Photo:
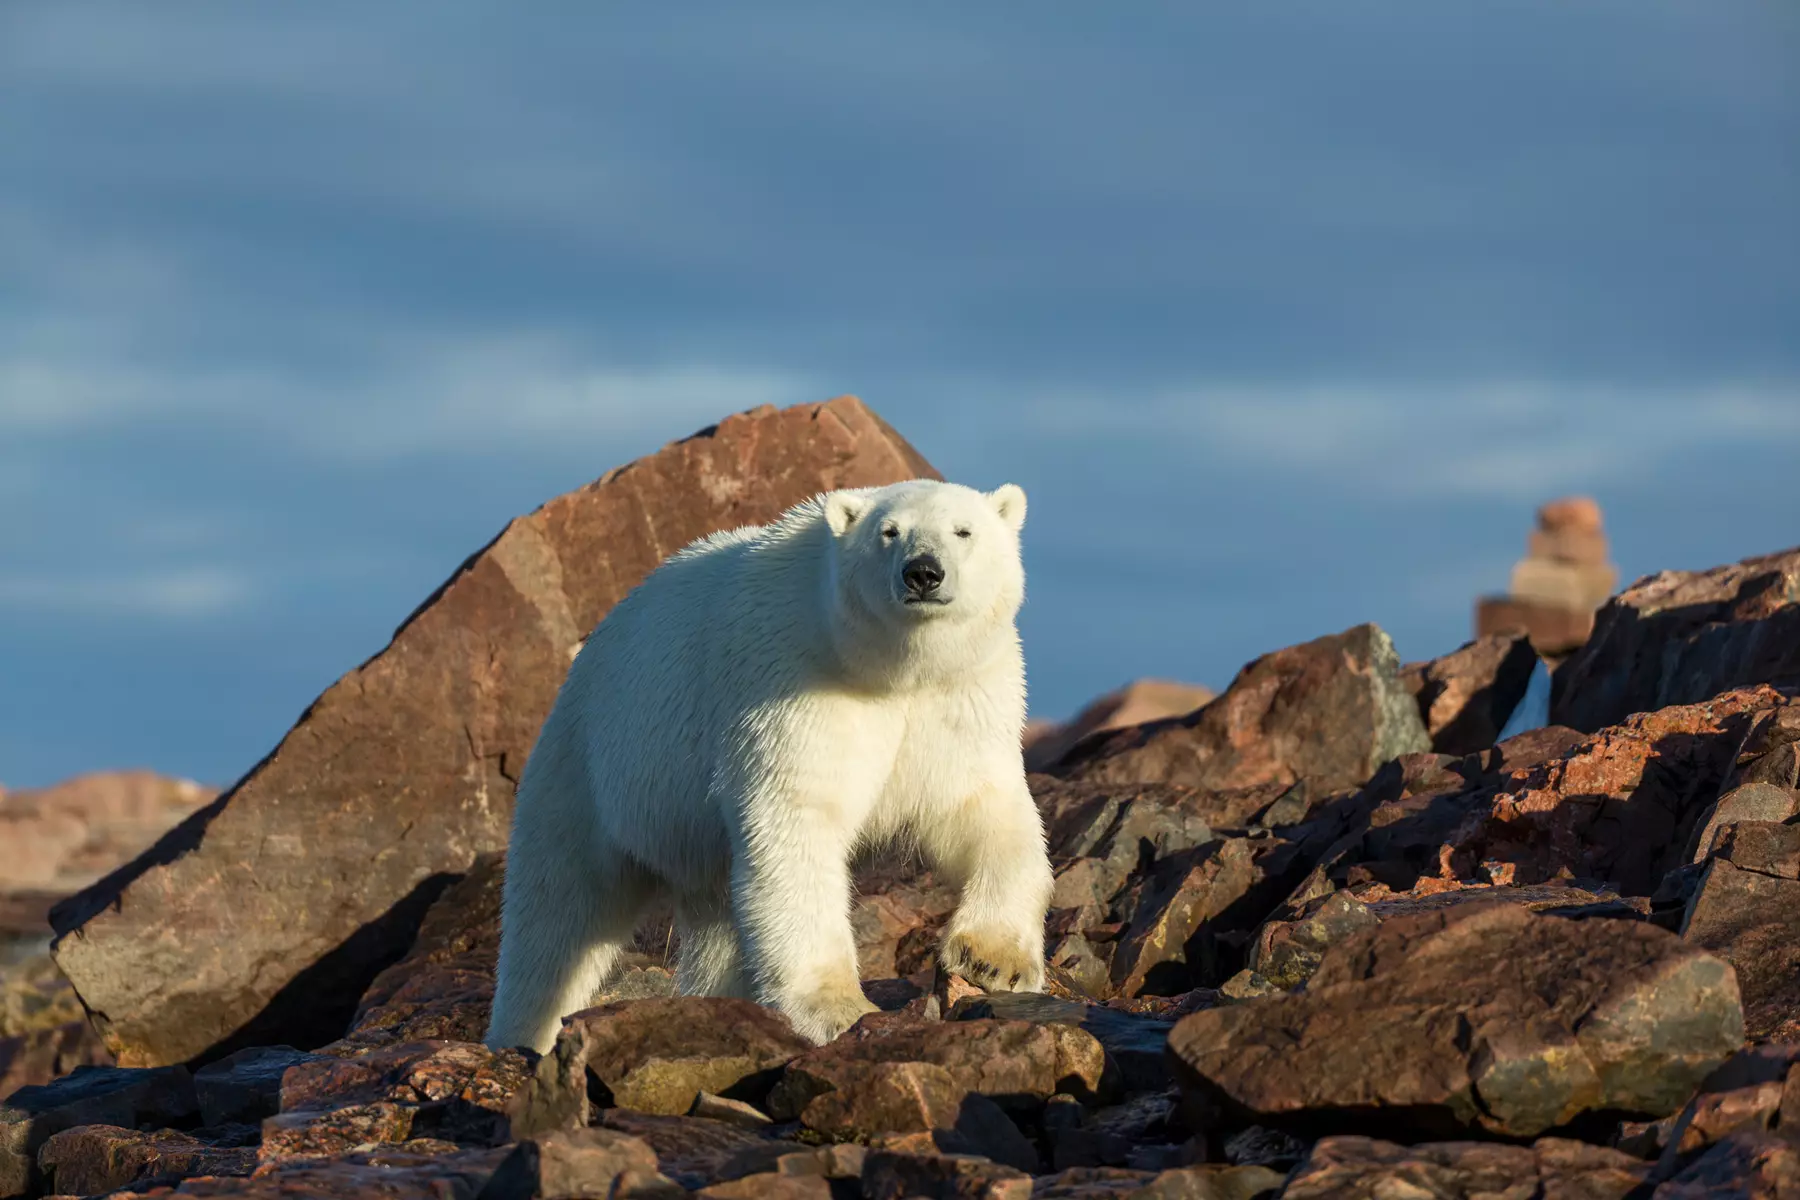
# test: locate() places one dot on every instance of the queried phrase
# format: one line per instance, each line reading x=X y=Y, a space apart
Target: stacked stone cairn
x=1559 y=584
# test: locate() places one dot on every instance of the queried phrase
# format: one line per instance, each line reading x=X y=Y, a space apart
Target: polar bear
x=765 y=703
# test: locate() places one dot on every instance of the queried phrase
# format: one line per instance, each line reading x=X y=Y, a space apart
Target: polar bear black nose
x=922 y=575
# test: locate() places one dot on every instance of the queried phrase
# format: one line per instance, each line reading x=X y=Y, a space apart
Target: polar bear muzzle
x=923 y=576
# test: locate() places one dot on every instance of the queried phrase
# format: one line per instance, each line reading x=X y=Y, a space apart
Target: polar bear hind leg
x=567 y=918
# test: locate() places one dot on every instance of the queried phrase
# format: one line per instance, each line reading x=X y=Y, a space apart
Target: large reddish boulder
x=1480 y=1018
x=262 y=918
x=1680 y=637
x=1287 y=951
x=1327 y=712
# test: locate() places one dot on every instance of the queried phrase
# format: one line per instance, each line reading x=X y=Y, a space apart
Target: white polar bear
x=767 y=701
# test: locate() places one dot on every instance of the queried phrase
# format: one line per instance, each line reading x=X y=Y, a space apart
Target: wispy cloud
x=176 y=593
x=1505 y=440
x=292 y=320
x=415 y=396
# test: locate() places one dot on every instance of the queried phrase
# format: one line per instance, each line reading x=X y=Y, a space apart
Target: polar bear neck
x=877 y=655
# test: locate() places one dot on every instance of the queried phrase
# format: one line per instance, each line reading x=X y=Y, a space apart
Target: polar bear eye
x=962 y=533
x=890 y=532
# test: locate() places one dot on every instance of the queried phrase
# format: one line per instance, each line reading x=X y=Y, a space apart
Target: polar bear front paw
x=821 y=1016
x=993 y=962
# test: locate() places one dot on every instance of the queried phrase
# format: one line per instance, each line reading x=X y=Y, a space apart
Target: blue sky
x=1286 y=315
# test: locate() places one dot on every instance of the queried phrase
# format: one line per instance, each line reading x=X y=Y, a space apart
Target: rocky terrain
x=59 y=840
x=1319 y=936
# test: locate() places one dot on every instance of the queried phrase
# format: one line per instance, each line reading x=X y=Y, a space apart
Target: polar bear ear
x=1009 y=501
x=842 y=510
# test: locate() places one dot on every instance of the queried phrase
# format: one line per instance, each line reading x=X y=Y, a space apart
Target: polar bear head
x=928 y=554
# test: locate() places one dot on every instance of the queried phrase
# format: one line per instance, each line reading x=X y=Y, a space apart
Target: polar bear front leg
x=790 y=881
x=992 y=845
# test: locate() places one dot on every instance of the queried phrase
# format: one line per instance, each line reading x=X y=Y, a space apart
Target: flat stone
x=1748 y=1165
x=1354 y=1168
x=1761 y=846
x=1752 y=921
x=1746 y=802
x=894 y=1175
x=580 y=1162
x=246 y=1086
x=1020 y=1064
x=659 y=1055
x=91 y=1159
x=117 y=1096
x=456 y=1092
x=696 y=1151
x=1135 y=1045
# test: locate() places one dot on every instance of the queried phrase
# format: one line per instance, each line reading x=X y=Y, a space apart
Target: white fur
x=761 y=706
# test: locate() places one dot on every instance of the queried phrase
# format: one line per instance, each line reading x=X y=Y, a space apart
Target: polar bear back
x=718 y=627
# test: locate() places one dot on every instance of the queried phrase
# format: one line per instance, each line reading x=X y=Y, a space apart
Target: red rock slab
x=1680 y=637
x=1621 y=805
x=1329 y=711
x=1486 y=1018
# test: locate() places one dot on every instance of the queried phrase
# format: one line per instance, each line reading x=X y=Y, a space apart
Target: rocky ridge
x=1319 y=937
